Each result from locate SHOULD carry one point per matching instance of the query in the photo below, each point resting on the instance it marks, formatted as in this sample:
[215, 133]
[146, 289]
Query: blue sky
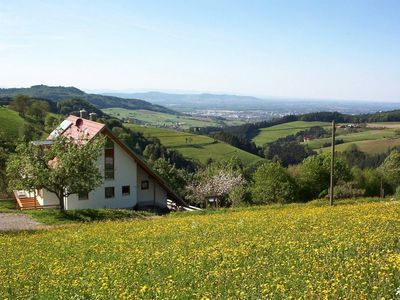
[303, 49]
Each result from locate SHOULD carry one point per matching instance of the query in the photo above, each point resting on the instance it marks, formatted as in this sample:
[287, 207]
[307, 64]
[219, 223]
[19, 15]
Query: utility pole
[332, 164]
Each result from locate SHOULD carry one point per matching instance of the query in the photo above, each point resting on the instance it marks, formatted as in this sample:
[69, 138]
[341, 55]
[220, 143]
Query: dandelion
[271, 252]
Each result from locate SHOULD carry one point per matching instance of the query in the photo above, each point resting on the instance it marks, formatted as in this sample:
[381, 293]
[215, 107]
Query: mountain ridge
[59, 93]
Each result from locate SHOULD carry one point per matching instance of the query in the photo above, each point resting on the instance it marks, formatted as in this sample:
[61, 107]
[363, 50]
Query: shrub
[371, 180]
[273, 184]
[315, 174]
[397, 193]
[390, 168]
[237, 196]
[345, 190]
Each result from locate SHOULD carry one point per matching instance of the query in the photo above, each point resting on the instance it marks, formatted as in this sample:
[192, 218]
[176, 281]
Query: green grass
[298, 251]
[273, 133]
[392, 125]
[369, 146]
[370, 140]
[7, 206]
[161, 119]
[197, 147]
[57, 217]
[363, 135]
[10, 122]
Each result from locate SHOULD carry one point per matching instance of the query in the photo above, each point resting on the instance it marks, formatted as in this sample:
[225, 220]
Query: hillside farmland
[158, 119]
[356, 137]
[369, 146]
[197, 147]
[374, 138]
[273, 133]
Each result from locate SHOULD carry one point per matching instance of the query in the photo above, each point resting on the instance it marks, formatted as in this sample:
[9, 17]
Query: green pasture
[369, 146]
[10, 122]
[363, 135]
[273, 133]
[197, 147]
[161, 119]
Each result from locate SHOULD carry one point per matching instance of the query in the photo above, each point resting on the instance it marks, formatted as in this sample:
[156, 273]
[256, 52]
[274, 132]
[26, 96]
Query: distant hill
[279, 106]
[59, 93]
[199, 101]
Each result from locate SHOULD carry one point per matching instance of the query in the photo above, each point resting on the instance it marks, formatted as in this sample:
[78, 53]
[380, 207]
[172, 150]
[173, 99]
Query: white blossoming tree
[218, 180]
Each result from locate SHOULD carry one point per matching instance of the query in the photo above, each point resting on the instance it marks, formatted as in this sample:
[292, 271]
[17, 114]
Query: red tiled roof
[79, 128]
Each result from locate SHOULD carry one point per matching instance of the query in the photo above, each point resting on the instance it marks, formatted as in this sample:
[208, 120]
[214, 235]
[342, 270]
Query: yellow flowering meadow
[277, 252]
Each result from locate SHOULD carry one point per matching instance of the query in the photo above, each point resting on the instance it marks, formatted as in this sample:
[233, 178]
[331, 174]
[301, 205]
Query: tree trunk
[61, 200]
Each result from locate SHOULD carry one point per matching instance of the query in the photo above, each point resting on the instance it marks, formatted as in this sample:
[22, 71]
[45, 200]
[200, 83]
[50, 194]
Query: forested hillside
[59, 93]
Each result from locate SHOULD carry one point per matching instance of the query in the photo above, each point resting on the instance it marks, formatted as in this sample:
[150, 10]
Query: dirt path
[14, 222]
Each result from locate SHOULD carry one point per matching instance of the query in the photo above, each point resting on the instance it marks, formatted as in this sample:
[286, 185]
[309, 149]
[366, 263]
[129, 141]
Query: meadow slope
[276, 252]
[354, 137]
[10, 122]
[376, 138]
[165, 119]
[270, 134]
[197, 147]
[369, 146]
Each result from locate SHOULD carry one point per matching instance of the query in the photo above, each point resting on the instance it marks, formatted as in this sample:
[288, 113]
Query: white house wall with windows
[128, 181]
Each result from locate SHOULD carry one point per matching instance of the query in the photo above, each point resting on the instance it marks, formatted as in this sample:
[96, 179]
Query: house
[128, 181]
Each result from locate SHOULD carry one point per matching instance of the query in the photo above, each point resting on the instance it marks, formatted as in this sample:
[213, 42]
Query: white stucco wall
[124, 174]
[49, 198]
[154, 195]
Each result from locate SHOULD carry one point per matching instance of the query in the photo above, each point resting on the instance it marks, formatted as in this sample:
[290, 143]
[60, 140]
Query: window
[145, 185]
[109, 160]
[109, 192]
[83, 196]
[126, 190]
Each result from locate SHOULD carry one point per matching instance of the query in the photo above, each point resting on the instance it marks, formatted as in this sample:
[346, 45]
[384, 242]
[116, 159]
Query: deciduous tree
[176, 178]
[20, 104]
[273, 184]
[315, 172]
[65, 167]
[218, 179]
[390, 168]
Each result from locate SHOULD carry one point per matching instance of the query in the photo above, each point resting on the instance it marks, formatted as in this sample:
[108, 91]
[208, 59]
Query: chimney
[82, 113]
[93, 116]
